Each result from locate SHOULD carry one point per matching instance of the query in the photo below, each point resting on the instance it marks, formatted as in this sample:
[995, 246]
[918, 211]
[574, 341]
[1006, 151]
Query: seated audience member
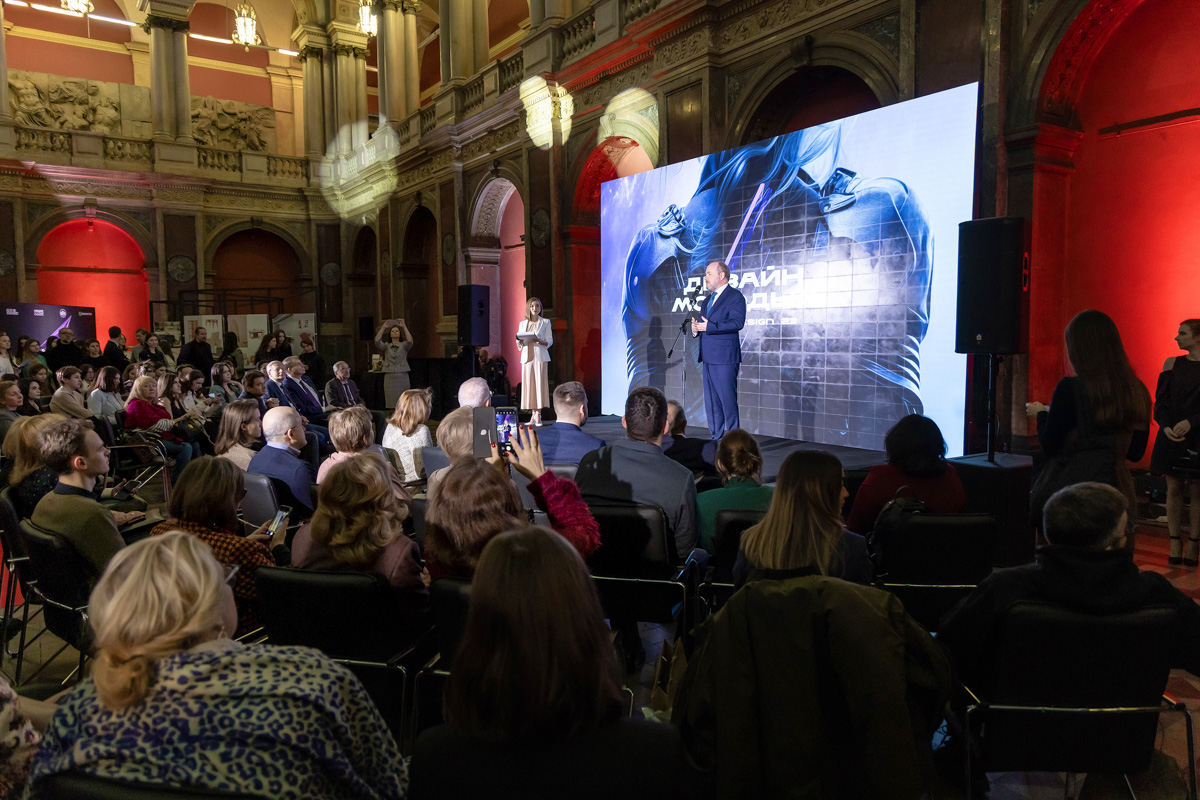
[67, 353]
[41, 374]
[31, 357]
[24, 471]
[114, 350]
[803, 532]
[68, 399]
[254, 387]
[140, 336]
[95, 355]
[276, 377]
[9, 358]
[340, 391]
[698, 455]
[78, 455]
[89, 379]
[564, 442]
[168, 354]
[739, 463]
[22, 719]
[10, 401]
[636, 470]
[280, 457]
[407, 433]
[151, 351]
[240, 430]
[132, 373]
[31, 391]
[302, 393]
[454, 438]
[143, 413]
[224, 388]
[536, 690]
[359, 527]
[168, 680]
[231, 353]
[195, 398]
[474, 393]
[283, 344]
[314, 362]
[105, 401]
[353, 435]
[870, 684]
[205, 504]
[916, 467]
[1084, 566]
[198, 352]
[477, 500]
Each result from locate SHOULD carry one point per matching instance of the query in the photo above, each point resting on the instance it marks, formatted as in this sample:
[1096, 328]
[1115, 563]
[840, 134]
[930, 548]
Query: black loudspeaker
[366, 328]
[993, 286]
[473, 304]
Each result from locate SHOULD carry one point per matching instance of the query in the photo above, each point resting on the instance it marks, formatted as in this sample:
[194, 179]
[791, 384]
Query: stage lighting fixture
[78, 6]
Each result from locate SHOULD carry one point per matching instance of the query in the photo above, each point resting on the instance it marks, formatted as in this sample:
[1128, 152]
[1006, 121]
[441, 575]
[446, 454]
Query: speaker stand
[994, 361]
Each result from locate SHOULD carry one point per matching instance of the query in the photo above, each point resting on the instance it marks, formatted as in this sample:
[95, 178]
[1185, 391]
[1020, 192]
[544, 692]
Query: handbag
[892, 519]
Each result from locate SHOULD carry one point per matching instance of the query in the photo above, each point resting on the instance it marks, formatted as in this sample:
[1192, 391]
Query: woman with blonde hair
[359, 527]
[30, 478]
[739, 462]
[803, 532]
[142, 412]
[173, 701]
[353, 433]
[241, 427]
[535, 359]
[454, 439]
[477, 500]
[407, 432]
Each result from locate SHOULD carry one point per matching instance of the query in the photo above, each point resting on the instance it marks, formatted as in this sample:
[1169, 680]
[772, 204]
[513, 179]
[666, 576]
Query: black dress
[1176, 398]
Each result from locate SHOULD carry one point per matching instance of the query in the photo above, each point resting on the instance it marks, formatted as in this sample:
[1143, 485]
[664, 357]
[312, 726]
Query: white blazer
[536, 352]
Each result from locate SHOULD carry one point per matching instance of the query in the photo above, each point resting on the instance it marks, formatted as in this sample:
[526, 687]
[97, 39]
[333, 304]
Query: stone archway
[421, 301]
[496, 259]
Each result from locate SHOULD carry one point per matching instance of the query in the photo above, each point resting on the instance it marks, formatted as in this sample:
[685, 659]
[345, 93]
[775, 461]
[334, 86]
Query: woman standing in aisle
[1176, 406]
[535, 360]
[394, 341]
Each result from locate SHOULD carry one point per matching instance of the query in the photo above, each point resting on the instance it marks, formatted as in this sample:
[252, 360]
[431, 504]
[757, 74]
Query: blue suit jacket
[564, 443]
[301, 400]
[292, 470]
[277, 391]
[721, 343]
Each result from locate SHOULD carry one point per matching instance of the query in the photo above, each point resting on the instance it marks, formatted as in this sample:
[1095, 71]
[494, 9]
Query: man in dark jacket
[198, 353]
[114, 351]
[280, 458]
[698, 455]
[564, 442]
[1084, 568]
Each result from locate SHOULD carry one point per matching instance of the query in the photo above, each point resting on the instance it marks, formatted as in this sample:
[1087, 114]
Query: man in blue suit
[564, 442]
[302, 392]
[719, 326]
[277, 391]
[280, 457]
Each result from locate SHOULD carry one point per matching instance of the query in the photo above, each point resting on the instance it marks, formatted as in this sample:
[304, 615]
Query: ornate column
[390, 44]
[412, 67]
[329, 96]
[346, 99]
[462, 56]
[479, 31]
[183, 90]
[162, 79]
[361, 112]
[5, 108]
[314, 104]
[443, 32]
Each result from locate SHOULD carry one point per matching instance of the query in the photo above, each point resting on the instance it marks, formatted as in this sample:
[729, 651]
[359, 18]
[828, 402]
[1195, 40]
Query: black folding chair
[18, 576]
[81, 786]
[729, 525]
[566, 471]
[260, 505]
[62, 580]
[1077, 693]
[352, 617]
[932, 561]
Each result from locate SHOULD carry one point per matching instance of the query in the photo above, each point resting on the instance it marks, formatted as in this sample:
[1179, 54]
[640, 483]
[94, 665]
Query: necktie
[346, 392]
[312, 394]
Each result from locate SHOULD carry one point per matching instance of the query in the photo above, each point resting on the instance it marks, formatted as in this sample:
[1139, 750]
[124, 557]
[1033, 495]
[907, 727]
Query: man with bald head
[280, 458]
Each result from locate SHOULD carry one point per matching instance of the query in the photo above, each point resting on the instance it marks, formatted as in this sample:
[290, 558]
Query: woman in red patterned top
[205, 503]
[477, 500]
[143, 413]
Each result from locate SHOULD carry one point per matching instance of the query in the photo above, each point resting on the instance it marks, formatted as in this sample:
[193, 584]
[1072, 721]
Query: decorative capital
[310, 51]
[410, 6]
[343, 49]
[360, 52]
[167, 23]
[383, 5]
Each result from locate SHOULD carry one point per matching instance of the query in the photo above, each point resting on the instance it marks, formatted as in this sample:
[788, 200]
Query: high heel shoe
[1175, 561]
[1193, 547]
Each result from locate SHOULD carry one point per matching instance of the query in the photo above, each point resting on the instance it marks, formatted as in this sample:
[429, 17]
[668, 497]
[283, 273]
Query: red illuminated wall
[512, 281]
[215, 20]
[1131, 233]
[257, 259]
[95, 263]
[64, 59]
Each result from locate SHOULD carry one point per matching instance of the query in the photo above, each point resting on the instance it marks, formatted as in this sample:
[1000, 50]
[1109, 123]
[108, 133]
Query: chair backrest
[394, 459]
[727, 538]
[631, 534]
[434, 458]
[10, 536]
[352, 615]
[566, 471]
[64, 580]
[450, 598]
[1048, 655]
[260, 503]
[937, 548]
[81, 786]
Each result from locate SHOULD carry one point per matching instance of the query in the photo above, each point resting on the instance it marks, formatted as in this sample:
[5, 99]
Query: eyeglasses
[230, 571]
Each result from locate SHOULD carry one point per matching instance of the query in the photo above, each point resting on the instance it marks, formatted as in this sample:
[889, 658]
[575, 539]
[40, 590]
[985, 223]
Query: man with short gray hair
[564, 442]
[474, 393]
[341, 391]
[283, 429]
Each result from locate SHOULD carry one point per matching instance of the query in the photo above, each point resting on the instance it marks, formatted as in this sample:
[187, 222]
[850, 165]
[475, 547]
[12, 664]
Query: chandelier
[368, 23]
[245, 25]
[78, 6]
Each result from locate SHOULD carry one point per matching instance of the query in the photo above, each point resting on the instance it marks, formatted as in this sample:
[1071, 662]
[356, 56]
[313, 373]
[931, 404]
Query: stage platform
[774, 449]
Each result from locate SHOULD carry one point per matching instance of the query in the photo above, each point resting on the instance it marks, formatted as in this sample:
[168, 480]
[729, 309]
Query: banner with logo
[43, 321]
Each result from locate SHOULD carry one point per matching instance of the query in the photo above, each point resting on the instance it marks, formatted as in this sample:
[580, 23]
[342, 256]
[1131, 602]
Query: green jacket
[738, 494]
[813, 687]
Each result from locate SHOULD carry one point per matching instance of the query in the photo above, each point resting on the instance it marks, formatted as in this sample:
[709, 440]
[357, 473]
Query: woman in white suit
[535, 360]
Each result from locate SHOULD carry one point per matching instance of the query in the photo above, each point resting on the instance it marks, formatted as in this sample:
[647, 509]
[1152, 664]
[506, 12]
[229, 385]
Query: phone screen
[506, 428]
[280, 516]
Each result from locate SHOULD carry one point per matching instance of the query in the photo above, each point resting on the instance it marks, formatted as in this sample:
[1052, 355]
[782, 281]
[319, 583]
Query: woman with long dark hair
[1176, 405]
[105, 400]
[536, 689]
[1099, 418]
[231, 352]
[31, 393]
[803, 532]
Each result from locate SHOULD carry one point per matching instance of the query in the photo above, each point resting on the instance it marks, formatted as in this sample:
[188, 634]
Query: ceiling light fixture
[245, 26]
[368, 23]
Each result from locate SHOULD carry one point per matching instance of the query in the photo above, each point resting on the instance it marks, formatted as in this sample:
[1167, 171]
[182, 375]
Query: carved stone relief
[233, 126]
[734, 85]
[884, 30]
[41, 100]
[35, 211]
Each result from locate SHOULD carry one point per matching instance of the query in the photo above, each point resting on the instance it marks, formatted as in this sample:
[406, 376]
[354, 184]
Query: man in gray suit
[636, 470]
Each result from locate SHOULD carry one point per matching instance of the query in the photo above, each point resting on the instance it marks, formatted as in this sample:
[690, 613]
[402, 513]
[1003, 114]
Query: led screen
[842, 238]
